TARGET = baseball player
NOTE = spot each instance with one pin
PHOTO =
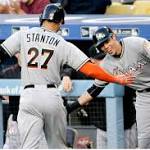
(131, 54)
(43, 52)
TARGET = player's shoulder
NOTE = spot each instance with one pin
(134, 39)
(59, 36)
(30, 30)
(34, 29)
(71, 45)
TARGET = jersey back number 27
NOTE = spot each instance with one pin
(34, 53)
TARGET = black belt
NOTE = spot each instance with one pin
(143, 91)
(32, 86)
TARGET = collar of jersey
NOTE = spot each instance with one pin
(122, 46)
(122, 51)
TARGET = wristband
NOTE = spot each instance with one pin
(94, 90)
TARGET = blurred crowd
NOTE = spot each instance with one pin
(22, 6)
(76, 6)
(36, 6)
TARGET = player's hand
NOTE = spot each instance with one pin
(82, 113)
(67, 84)
(125, 79)
(70, 107)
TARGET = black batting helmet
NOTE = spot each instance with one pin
(102, 35)
(53, 12)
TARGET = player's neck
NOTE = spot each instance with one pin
(120, 50)
(50, 26)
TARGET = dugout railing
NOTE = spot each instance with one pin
(114, 106)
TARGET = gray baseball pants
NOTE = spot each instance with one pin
(143, 119)
(41, 109)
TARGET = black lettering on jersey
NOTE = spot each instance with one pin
(43, 38)
(47, 39)
(33, 37)
(50, 53)
(51, 40)
(56, 42)
(28, 38)
(34, 54)
(37, 37)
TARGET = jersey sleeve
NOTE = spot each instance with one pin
(100, 83)
(12, 43)
(75, 57)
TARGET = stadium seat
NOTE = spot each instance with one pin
(119, 9)
(141, 7)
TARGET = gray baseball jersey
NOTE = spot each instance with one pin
(41, 108)
(42, 54)
(135, 58)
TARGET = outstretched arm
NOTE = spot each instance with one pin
(85, 98)
(98, 72)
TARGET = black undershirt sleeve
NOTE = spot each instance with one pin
(3, 54)
(95, 90)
